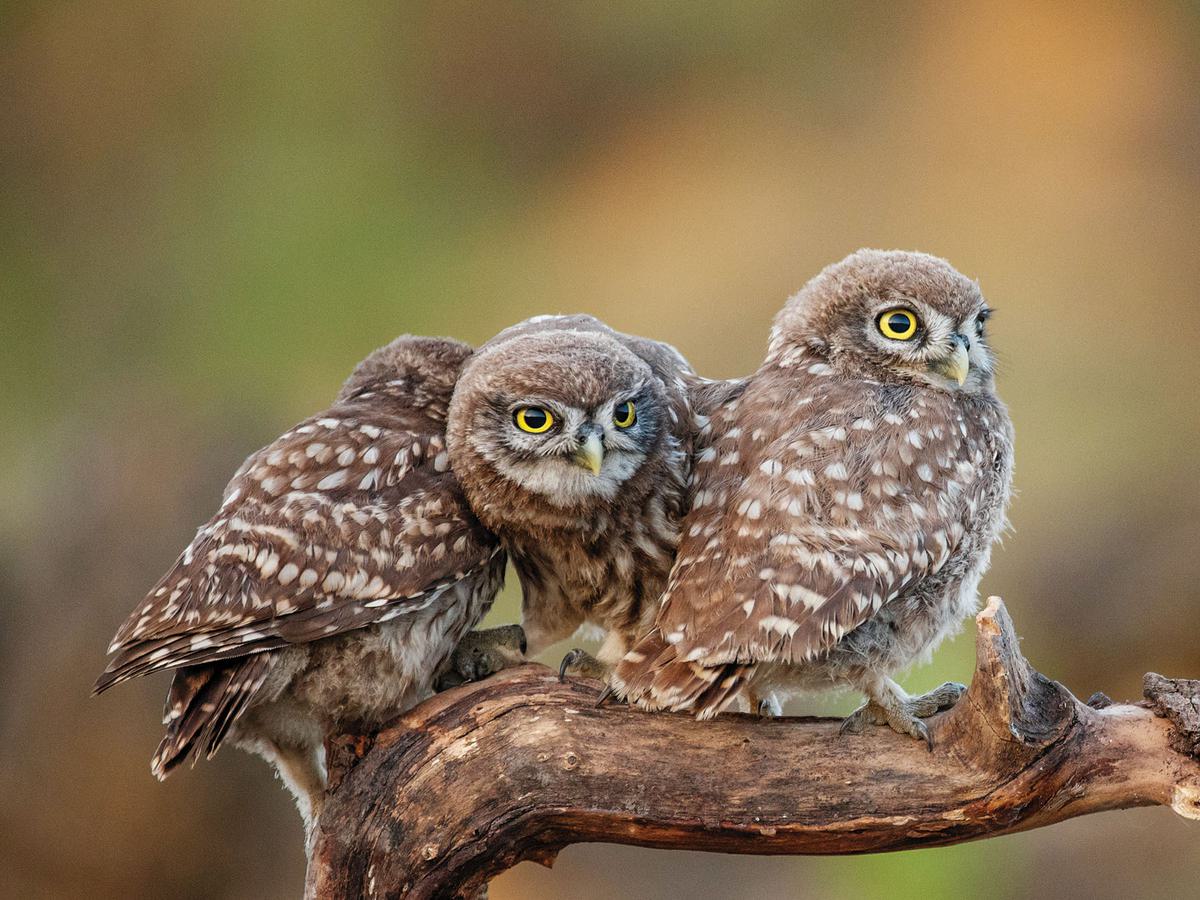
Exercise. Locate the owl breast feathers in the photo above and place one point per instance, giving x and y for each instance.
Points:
(846, 499)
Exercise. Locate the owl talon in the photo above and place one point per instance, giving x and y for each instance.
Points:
(581, 664)
(906, 715)
(940, 698)
(899, 720)
(912, 726)
(870, 713)
(766, 705)
(482, 653)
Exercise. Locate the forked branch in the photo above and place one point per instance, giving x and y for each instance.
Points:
(519, 766)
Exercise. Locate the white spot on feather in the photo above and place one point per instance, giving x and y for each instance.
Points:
(771, 467)
(780, 624)
(836, 471)
(334, 480)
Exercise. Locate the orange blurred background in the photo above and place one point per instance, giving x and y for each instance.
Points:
(212, 211)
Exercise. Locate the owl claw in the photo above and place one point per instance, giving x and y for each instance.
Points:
(919, 730)
(581, 664)
(869, 713)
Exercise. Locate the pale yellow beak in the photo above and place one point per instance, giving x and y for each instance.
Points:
(956, 367)
(590, 454)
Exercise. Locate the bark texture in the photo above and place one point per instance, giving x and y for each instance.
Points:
(520, 765)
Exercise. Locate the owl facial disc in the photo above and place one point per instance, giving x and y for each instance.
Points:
(567, 416)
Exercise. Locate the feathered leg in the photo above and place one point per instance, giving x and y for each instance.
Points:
(302, 770)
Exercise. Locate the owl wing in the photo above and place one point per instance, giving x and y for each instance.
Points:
(794, 542)
(349, 519)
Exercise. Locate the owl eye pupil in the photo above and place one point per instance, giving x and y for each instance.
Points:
(898, 324)
(624, 414)
(533, 419)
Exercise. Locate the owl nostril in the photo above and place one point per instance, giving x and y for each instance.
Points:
(587, 430)
(961, 339)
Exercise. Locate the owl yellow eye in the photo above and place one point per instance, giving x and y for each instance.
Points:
(898, 324)
(533, 419)
(624, 414)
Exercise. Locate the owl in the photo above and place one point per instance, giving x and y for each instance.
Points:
(340, 572)
(847, 498)
(572, 443)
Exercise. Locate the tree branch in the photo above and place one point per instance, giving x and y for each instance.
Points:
(519, 766)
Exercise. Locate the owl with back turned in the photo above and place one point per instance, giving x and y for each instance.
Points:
(847, 496)
(341, 571)
(572, 443)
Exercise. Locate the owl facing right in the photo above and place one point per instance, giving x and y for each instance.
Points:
(845, 504)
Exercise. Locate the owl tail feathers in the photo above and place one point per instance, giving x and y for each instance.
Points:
(204, 701)
(654, 677)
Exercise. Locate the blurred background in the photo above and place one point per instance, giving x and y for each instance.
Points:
(210, 211)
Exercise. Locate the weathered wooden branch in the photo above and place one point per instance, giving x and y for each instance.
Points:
(518, 766)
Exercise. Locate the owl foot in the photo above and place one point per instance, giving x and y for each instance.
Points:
(581, 664)
(766, 705)
(769, 707)
(904, 715)
(941, 697)
(483, 653)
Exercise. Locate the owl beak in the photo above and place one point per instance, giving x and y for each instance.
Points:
(590, 454)
(957, 365)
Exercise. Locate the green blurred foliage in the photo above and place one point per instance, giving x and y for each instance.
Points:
(211, 211)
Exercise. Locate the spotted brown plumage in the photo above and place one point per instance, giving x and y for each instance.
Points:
(588, 508)
(847, 498)
(340, 572)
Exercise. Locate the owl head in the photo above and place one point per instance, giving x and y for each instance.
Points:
(891, 316)
(557, 410)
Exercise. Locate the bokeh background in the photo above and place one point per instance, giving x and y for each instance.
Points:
(210, 211)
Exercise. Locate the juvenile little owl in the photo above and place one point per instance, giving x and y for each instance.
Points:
(573, 444)
(846, 501)
(340, 573)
